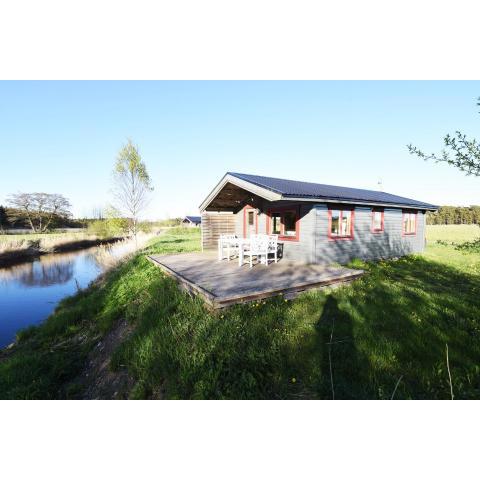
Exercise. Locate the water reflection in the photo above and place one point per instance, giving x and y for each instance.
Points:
(29, 292)
(47, 270)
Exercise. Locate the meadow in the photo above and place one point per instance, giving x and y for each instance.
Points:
(452, 233)
(385, 336)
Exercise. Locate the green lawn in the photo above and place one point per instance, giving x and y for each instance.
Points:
(452, 233)
(390, 326)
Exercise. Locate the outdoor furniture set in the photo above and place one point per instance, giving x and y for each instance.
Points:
(259, 246)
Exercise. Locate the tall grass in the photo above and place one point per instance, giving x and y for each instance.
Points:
(46, 242)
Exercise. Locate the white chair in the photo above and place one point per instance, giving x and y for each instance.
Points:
(272, 247)
(230, 242)
(258, 247)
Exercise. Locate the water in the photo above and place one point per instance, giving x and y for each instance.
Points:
(29, 292)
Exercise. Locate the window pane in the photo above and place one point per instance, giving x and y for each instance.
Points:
(346, 223)
(377, 220)
(289, 220)
(412, 223)
(335, 222)
(409, 223)
(276, 223)
(250, 218)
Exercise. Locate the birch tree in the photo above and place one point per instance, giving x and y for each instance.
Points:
(131, 185)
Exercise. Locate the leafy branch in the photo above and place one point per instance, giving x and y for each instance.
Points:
(459, 152)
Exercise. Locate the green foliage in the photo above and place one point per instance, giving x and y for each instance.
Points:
(470, 247)
(109, 227)
(170, 222)
(454, 216)
(4, 223)
(459, 151)
(393, 322)
(129, 163)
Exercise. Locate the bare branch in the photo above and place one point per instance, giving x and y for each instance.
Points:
(39, 209)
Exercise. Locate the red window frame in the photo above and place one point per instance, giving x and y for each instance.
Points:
(382, 227)
(409, 234)
(341, 209)
(281, 211)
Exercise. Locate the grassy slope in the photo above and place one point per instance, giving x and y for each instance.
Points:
(393, 323)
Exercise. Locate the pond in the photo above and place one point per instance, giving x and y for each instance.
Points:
(29, 292)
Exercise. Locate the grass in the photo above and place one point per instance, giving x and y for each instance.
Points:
(452, 233)
(393, 323)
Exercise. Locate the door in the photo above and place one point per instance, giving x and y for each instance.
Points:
(251, 221)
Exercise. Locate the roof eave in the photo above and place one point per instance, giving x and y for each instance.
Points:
(431, 208)
(250, 187)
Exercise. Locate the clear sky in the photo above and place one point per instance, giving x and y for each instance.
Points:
(62, 137)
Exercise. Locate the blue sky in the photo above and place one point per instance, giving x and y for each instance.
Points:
(63, 137)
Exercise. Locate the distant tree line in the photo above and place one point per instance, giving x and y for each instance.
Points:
(448, 215)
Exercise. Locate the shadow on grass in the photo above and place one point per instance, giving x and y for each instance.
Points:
(392, 324)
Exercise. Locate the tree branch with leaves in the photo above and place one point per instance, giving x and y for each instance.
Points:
(459, 151)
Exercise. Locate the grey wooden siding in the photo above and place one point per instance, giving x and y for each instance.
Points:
(365, 244)
(213, 225)
(314, 245)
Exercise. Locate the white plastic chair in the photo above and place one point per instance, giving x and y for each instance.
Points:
(230, 242)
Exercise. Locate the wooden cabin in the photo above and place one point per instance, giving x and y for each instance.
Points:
(315, 223)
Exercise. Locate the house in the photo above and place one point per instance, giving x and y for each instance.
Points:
(316, 223)
(190, 221)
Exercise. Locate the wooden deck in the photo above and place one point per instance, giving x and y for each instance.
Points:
(225, 283)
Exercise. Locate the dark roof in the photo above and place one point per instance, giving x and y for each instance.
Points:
(295, 189)
(194, 219)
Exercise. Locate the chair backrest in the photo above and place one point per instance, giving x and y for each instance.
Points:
(227, 236)
(259, 242)
(272, 243)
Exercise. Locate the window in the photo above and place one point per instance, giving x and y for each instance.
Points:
(409, 223)
(340, 224)
(284, 222)
(377, 221)
(276, 223)
(250, 218)
(289, 224)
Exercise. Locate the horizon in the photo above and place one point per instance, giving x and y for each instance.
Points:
(63, 137)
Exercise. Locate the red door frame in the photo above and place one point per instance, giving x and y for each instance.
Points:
(245, 208)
